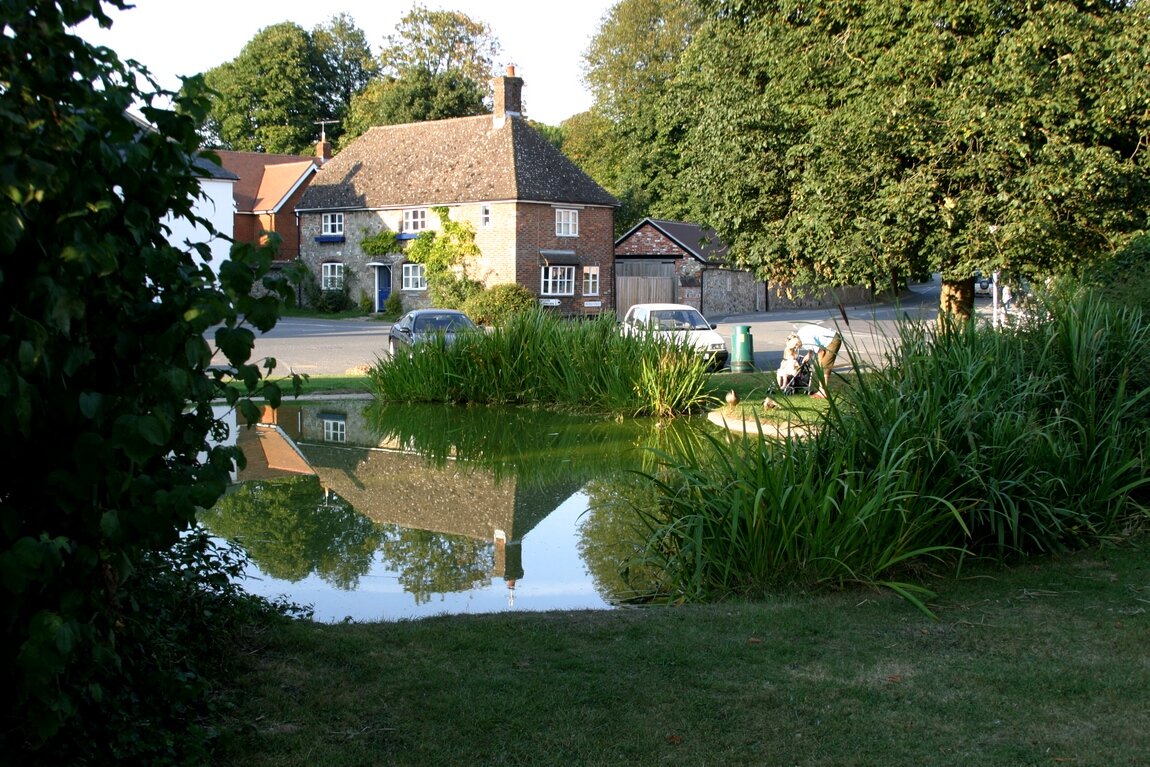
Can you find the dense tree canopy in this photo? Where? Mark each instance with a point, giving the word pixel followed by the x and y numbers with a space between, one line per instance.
pixel 417 96
pixel 346 67
pixel 839 143
pixel 630 65
pixel 267 96
pixel 285 81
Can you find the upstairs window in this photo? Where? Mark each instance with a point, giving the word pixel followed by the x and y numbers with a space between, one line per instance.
pixel 566 222
pixel 332 225
pixel 415 220
pixel 485 216
pixel 331 275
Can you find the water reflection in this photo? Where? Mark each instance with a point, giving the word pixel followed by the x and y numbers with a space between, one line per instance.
pixel 383 512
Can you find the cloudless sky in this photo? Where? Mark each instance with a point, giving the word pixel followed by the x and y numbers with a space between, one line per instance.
pixel 544 40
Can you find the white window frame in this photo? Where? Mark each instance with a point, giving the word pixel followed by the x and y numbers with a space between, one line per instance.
pixel 485 216
pixel 331 275
pixel 566 222
pixel 590 280
pixel 414 220
pixel 414 277
pixel 557 281
pixel 331 224
pixel 334 430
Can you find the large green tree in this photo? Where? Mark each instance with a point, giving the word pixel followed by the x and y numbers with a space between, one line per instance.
pixel 347 65
pixel 285 81
pixel 837 143
pixel 440 42
pixel 417 96
pixel 106 395
pixel 266 97
pixel 630 65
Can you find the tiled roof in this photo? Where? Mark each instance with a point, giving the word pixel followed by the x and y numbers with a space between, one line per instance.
pixel 702 243
pixel 442 162
pixel 264 179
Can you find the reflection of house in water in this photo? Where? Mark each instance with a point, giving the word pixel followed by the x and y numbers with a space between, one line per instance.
pixel 269 452
pixel 393 485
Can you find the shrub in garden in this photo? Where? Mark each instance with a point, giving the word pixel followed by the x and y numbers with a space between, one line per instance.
pixel 494 305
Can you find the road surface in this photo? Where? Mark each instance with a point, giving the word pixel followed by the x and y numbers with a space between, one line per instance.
pixel 338 347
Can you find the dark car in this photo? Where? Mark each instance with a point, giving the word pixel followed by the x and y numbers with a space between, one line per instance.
pixel 421 325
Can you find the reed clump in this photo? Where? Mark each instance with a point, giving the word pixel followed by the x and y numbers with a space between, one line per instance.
pixel 968 442
pixel 538 359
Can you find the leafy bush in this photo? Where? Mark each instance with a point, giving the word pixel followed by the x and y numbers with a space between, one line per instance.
pixel 1122 279
pixel 393 306
pixel 495 304
pixel 107 385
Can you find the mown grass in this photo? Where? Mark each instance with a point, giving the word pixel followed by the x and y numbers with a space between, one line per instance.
pixel 970 441
pixel 1040 664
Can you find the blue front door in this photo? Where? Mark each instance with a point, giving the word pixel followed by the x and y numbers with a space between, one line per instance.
pixel 382 286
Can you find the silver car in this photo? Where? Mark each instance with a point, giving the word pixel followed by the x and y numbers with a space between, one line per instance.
pixel 421 325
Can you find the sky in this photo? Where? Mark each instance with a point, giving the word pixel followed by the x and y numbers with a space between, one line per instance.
pixel 545 41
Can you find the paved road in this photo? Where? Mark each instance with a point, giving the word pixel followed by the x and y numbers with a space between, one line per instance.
pixel 335 347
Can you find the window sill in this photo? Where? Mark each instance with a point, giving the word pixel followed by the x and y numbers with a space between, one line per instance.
pixel 330 238
pixel 407 235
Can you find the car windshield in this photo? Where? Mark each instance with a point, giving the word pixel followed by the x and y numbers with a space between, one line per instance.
pixel 678 319
pixel 442 323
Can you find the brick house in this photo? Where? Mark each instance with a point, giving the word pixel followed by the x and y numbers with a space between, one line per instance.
pixel 538 219
pixel 268 188
pixel 682 263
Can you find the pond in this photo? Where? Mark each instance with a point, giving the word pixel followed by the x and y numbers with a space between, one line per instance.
pixel 373 512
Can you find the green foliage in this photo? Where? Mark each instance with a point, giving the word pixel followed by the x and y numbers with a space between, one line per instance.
pixel 631 139
pixel 265 98
pixel 893 137
pixel 346 66
pixel 539 359
pixel 382 243
pixel 1122 279
pixel 393 306
pixel 107 383
pixel 417 95
pixel 439 42
pixel 968 440
pixel 445 255
pixel 495 304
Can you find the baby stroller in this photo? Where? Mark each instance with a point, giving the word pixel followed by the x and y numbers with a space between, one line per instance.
pixel 800 382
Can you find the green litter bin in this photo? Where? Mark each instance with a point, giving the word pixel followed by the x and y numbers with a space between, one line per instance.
pixel 742 350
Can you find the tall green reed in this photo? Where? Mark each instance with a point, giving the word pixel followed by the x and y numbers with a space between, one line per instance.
pixel 539 359
pixel 966 440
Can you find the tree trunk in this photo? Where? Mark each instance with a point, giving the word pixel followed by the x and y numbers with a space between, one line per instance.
pixel 956 301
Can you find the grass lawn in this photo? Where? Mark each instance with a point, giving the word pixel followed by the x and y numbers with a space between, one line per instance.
pixel 1044 663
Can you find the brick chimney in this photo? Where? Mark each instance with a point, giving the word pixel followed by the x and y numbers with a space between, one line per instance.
pixel 323 150
pixel 508 100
